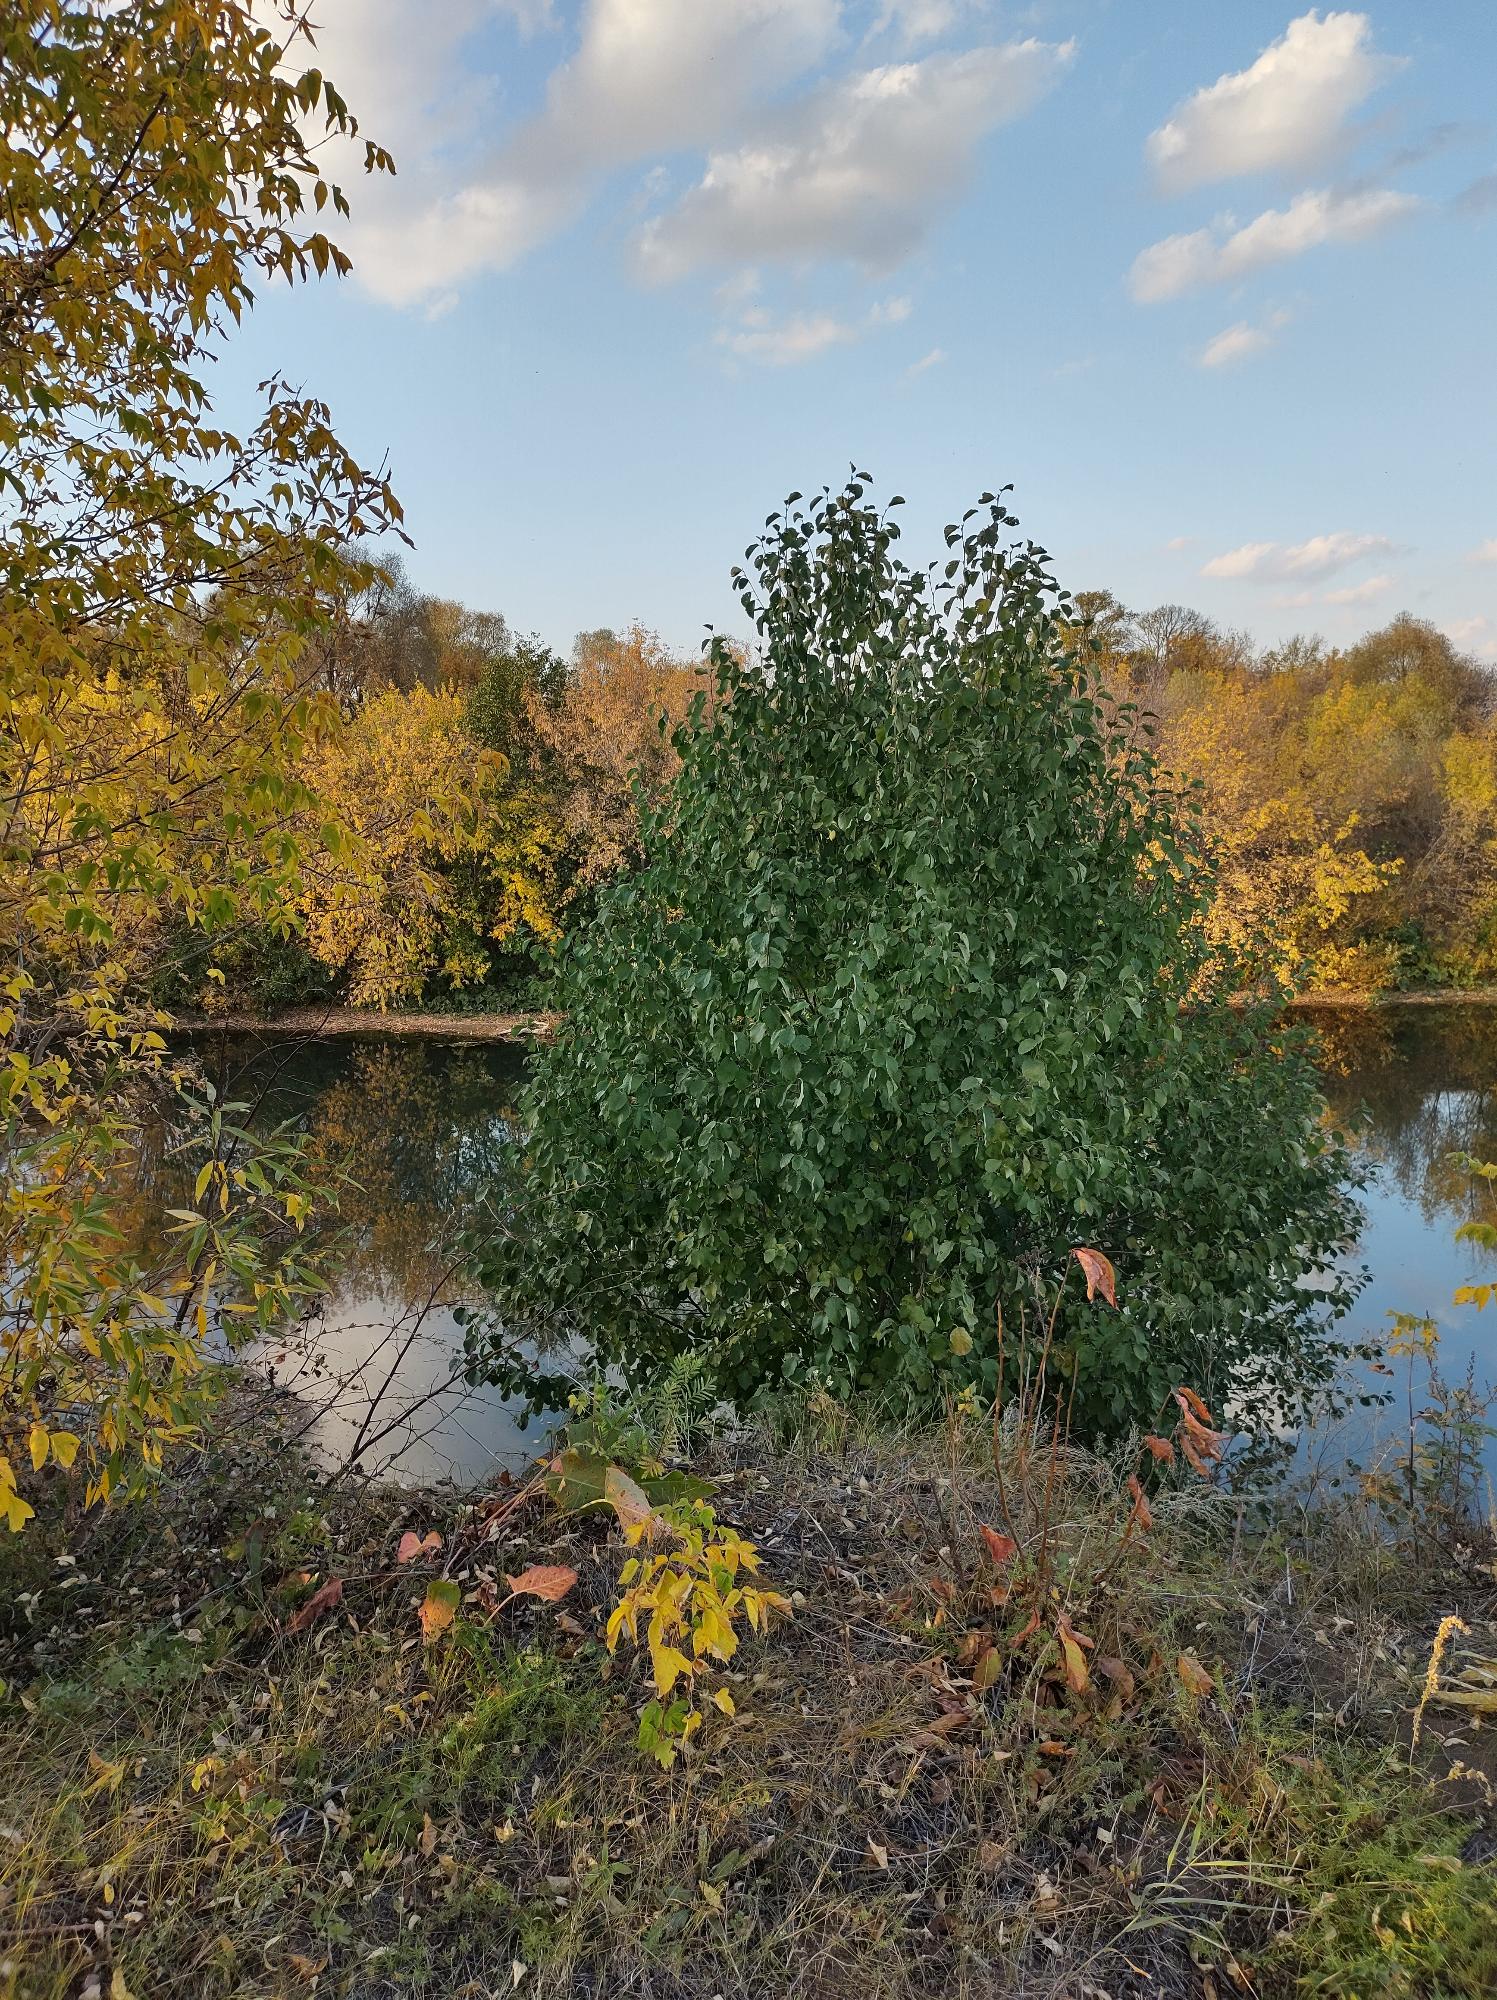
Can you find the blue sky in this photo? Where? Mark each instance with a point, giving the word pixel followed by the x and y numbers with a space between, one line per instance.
pixel 1215 287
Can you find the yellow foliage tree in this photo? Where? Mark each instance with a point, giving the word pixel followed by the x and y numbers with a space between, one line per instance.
pixel 610 731
pixel 1288 872
pixel 161 577
pixel 448 853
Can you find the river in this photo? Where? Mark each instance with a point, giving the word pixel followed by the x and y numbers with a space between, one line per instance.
pixel 426 1125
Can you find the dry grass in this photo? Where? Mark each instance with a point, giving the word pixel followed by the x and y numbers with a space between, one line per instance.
pixel 197 1804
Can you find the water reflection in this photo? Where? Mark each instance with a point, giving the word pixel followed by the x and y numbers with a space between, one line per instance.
pixel 422 1132
pixel 425 1129
pixel 1422 1081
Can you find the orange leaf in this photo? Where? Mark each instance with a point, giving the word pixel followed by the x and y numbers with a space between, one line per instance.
pixel 331 1594
pixel 1002 1548
pixel 548 1581
pixel 1161 1448
pixel 1142 1513
pixel 1099 1274
pixel 1193 1676
pixel 439 1607
pixel 413 1545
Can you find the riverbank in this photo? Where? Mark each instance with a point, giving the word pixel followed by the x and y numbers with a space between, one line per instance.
pixel 234 1763
pixel 323 1022
pixel 540 1025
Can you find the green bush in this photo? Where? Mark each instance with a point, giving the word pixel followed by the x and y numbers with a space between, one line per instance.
pixel 909 997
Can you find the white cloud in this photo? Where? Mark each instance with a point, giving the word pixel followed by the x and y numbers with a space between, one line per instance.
pixel 1178 542
pixel 857 169
pixel 921 20
pixel 646 77
pixel 1286 111
pixel 1484 552
pixel 1210 257
pixel 757 336
pixel 799 338
pixel 1238 342
pixel 1359 593
pixel 1273 562
pixel 932 360
pixel 1472 635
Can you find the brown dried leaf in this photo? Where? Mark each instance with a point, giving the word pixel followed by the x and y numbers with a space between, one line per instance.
pixel 1099 1274
pixel 1193 1676
pixel 1160 1448
pixel 326 1599
pixel 1142 1512
pixel 413 1545
pixel 1002 1548
pixel 548 1581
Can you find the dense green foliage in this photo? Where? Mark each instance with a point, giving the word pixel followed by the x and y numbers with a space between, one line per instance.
pixel 909 996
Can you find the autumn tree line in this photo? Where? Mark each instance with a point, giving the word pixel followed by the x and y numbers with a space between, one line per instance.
pixel 484 787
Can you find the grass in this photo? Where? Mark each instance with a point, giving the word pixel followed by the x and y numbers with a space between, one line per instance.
pixel 195 1801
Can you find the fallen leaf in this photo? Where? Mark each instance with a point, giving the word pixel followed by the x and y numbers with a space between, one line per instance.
pixel 1002 1548
pixel 1193 1676
pixel 1099 1274
pixel 991 1855
pixel 428 1835
pixel 548 1581
pixel 987 1670
pixel 1119 1675
pixel 413 1545
pixel 439 1607
pixel 330 1595
pixel 878 1855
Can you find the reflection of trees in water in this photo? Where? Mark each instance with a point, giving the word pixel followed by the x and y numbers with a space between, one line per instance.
pixel 421 1129
pixel 1427 1078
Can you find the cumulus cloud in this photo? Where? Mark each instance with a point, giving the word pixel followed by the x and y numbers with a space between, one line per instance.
pixel 1239 342
pixel 932 360
pixel 646 77
pixel 1224 252
pixel 921 20
pixel 759 337
pixel 1484 552
pixel 1359 593
pixel 858 169
pixel 1274 562
pixel 778 344
pixel 1285 111
pixel 1473 635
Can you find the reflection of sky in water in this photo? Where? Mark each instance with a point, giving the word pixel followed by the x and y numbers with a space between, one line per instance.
pixel 1426 1078
pixel 424 1125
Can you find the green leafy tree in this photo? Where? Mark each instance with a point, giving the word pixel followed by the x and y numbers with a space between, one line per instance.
pixel 909 997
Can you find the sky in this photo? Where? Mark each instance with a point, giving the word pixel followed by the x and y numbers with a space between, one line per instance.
pixel 1213 287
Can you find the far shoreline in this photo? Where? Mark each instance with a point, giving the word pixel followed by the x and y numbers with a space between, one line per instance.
pixel 540 1024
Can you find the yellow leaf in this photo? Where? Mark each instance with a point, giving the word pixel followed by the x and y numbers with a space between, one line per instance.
pixel 724 1701
pixel 38 1441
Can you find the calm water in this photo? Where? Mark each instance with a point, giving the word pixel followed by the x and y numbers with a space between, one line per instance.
pixel 425 1127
